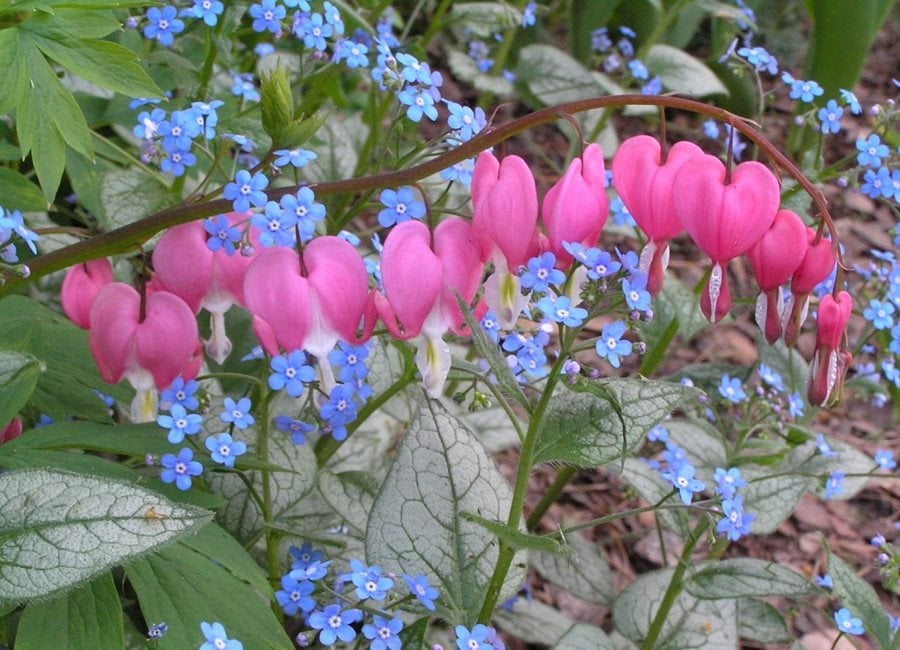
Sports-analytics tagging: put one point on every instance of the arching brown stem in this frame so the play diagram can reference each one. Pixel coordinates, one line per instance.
(130, 237)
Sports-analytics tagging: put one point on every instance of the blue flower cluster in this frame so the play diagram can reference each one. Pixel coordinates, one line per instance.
(170, 138)
(292, 372)
(303, 592)
(735, 523)
(618, 58)
(179, 399)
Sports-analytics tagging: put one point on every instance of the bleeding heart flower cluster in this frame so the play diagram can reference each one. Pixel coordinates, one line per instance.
(307, 294)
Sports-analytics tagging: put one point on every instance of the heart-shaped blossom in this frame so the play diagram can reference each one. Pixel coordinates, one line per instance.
(724, 216)
(310, 302)
(421, 278)
(149, 342)
(645, 181)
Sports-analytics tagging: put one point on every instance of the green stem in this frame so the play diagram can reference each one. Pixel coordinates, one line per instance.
(327, 446)
(262, 444)
(674, 588)
(654, 356)
(563, 476)
(523, 473)
(208, 62)
(132, 236)
(434, 23)
(661, 27)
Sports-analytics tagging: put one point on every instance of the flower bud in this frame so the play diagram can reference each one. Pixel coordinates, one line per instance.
(830, 359)
(276, 102)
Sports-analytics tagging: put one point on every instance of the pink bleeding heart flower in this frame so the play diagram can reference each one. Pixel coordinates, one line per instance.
(504, 222)
(830, 358)
(645, 183)
(817, 264)
(421, 277)
(504, 198)
(724, 217)
(775, 258)
(575, 208)
(149, 342)
(203, 278)
(309, 302)
(11, 431)
(81, 284)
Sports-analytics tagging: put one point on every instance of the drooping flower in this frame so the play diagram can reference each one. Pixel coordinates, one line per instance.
(421, 275)
(644, 179)
(830, 358)
(148, 341)
(724, 216)
(203, 278)
(504, 223)
(775, 258)
(309, 302)
(816, 266)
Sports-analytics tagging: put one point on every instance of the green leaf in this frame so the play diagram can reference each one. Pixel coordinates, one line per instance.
(128, 195)
(485, 18)
(582, 636)
(107, 64)
(516, 539)
(676, 310)
(586, 16)
(691, 623)
(772, 499)
(19, 193)
(12, 81)
(534, 622)
(351, 494)
(66, 461)
(48, 117)
(73, 23)
(846, 458)
(551, 76)
(834, 60)
(682, 73)
(701, 442)
(220, 548)
(242, 516)
(786, 362)
(859, 597)
(413, 636)
(439, 471)
(582, 570)
(58, 529)
(760, 622)
(136, 440)
(598, 422)
(184, 587)
(491, 352)
(342, 140)
(653, 488)
(19, 375)
(744, 578)
(64, 388)
(88, 618)
(466, 69)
